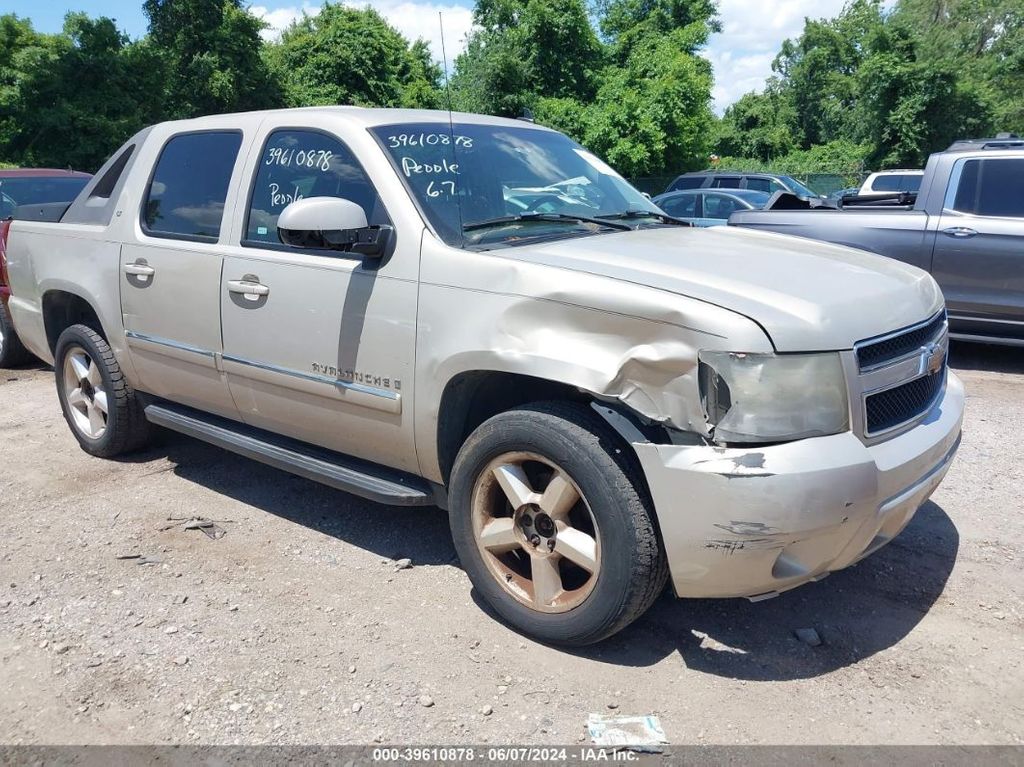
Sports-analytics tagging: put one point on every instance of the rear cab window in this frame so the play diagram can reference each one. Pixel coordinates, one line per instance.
(37, 190)
(300, 163)
(988, 187)
(186, 194)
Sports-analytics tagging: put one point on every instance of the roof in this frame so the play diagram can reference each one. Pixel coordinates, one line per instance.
(731, 172)
(42, 173)
(1001, 141)
(371, 117)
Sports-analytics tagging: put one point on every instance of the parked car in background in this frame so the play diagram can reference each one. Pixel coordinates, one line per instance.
(601, 397)
(710, 208)
(26, 186)
(889, 181)
(965, 227)
(728, 179)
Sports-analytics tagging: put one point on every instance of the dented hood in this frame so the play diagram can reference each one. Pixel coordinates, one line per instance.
(807, 295)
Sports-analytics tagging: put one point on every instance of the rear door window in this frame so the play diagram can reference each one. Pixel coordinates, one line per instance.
(720, 206)
(683, 206)
(726, 182)
(769, 185)
(687, 182)
(185, 198)
(296, 164)
(989, 188)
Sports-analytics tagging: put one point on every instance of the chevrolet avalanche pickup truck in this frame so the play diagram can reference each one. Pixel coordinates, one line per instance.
(480, 314)
(965, 226)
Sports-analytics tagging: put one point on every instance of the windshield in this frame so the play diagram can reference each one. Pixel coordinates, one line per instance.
(36, 190)
(798, 188)
(487, 186)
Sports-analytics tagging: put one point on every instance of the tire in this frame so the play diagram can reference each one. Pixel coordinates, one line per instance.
(87, 374)
(594, 588)
(12, 351)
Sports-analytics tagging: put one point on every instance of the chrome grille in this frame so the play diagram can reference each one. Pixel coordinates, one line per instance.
(874, 353)
(901, 375)
(893, 407)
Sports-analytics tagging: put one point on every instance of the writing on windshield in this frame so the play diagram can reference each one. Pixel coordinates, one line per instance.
(465, 174)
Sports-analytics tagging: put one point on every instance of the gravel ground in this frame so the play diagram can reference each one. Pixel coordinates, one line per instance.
(296, 626)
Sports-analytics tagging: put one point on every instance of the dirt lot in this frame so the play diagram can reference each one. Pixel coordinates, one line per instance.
(296, 627)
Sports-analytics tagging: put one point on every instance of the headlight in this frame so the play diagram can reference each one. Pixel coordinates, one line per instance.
(773, 398)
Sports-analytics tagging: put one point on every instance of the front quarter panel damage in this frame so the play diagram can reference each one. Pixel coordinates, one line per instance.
(617, 341)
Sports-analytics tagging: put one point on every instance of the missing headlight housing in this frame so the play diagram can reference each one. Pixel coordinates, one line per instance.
(765, 398)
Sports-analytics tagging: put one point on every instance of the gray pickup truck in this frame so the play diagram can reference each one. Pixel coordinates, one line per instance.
(422, 308)
(965, 227)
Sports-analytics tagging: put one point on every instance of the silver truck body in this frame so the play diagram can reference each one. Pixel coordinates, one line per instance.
(978, 260)
(376, 359)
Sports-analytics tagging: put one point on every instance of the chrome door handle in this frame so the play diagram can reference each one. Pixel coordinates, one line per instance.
(139, 270)
(962, 232)
(251, 289)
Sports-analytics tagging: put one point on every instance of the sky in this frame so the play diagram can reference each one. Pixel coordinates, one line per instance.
(752, 30)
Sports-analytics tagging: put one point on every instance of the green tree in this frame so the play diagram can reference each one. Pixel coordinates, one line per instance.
(820, 68)
(524, 50)
(760, 125)
(913, 107)
(74, 97)
(640, 97)
(211, 51)
(346, 55)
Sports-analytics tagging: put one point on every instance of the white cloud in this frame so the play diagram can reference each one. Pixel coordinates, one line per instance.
(752, 32)
(413, 19)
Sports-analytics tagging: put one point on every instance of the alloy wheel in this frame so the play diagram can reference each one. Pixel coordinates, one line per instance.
(536, 532)
(84, 393)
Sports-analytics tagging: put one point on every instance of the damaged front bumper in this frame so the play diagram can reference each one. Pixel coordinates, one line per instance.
(756, 522)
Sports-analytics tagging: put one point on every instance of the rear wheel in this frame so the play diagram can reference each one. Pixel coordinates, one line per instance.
(12, 352)
(552, 524)
(99, 404)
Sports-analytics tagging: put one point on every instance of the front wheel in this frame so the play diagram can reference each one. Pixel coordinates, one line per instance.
(552, 524)
(99, 404)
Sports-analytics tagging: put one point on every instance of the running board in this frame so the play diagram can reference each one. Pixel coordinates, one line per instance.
(362, 478)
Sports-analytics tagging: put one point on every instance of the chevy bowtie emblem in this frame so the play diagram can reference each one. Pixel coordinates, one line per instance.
(934, 358)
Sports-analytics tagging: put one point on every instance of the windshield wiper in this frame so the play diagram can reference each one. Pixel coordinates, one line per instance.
(521, 217)
(629, 214)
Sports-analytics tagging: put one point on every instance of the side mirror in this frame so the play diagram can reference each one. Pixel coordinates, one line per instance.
(332, 223)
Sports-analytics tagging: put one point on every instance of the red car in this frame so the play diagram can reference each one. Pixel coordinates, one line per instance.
(26, 186)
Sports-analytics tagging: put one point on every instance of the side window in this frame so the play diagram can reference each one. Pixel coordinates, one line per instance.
(683, 206)
(726, 182)
(889, 183)
(991, 188)
(296, 164)
(719, 206)
(186, 195)
(760, 184)
(687, 182)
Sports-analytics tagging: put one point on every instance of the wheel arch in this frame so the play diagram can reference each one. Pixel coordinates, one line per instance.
(471, 397)
(63, 308)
